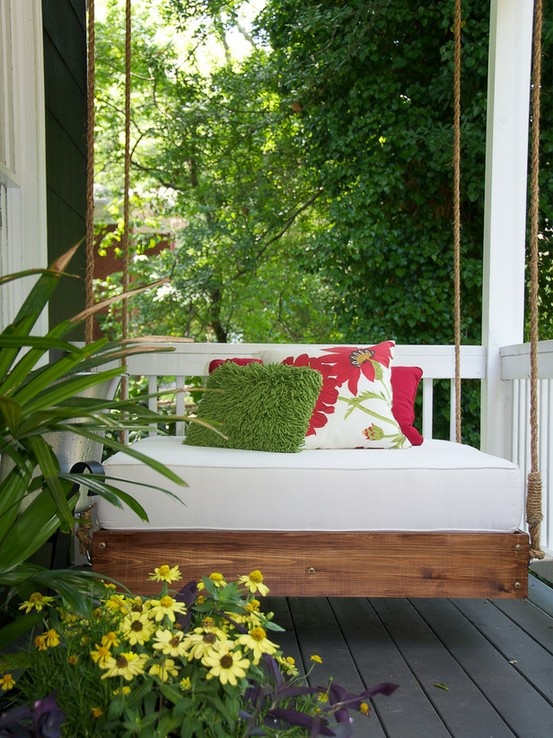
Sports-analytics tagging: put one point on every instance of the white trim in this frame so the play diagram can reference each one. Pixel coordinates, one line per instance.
(23, 238)
(505, 206)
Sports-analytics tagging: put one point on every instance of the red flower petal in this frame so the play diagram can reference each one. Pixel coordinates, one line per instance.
(350, 361)
(328, 395)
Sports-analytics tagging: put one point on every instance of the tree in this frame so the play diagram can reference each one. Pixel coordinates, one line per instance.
(375, 91)
(219, 148)
(323, 158)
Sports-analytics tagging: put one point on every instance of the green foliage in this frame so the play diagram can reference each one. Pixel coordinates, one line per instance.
(227, 159)
(313, 174)
(41, 399)
(375, 90)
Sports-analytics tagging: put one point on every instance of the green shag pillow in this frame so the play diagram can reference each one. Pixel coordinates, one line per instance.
(257, 407)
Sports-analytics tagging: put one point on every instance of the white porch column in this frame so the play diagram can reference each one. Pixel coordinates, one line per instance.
(505, 207)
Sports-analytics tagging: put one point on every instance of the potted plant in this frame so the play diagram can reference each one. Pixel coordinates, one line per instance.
(42, 398)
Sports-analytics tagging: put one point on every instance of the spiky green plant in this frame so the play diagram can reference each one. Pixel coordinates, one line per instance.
(40, 397)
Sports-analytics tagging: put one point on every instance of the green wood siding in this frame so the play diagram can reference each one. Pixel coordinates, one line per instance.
(65, 98)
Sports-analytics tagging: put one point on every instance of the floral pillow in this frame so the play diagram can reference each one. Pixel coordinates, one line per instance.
(354, 407)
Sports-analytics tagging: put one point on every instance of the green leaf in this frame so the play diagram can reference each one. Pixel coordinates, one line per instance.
(44, 287)
(10, 413)
(11, 633)
(14, 489)
(49, 469)
(171, 693)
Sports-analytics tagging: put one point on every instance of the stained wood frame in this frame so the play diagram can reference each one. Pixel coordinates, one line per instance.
(329, 564)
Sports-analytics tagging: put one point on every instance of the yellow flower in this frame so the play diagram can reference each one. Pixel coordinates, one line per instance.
(316, 658)
(36, 602)
(203, 640)
(226, 665)
(166, 607)
(73, 659)
(68, 617)
(122, 690)
(164, 669)
(257, 642)
(136, 604)
(110, 639)
(166, 573)
(288, 664)
(217, 578)
(249, 619)
(52, 639)
(40, 642)
(185, 684)
(47, 640)
(137, 628)
(364, 708)
(96, 712)
(117, 603)
(101, 655)
(253, 605)
(169, 643)
(7, 682)
(254, 582)
(126, 665)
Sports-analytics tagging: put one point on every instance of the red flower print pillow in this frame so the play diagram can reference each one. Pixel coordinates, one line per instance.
(354, 408)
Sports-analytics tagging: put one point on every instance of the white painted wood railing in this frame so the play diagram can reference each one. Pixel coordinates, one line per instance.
(515, 367)
(187, 360)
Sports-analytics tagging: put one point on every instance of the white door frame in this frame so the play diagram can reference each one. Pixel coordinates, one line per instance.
(23, 236)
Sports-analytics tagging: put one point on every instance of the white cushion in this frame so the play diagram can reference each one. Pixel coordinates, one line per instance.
(439, 486)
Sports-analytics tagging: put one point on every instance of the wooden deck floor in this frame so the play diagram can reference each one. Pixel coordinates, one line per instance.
(466, 668)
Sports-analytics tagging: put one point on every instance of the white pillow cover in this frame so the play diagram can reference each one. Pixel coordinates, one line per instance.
(354, 408)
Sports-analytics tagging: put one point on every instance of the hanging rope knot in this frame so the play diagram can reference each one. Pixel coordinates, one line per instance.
(534, 514)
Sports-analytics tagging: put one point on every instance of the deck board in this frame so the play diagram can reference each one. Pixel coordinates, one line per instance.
(518, 703)
(466, 668)
(377, 656)
(449, 689)
(327, 641)
(527, 656)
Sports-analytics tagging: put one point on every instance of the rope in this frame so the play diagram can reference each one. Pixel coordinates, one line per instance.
(90, 123)
(457, 211)
(126, 198)
(534, 514)
(127, 168)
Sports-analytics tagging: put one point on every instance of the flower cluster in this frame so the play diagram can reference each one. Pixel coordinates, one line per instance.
(195, 663)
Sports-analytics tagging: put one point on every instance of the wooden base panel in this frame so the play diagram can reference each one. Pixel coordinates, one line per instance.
(326, 564)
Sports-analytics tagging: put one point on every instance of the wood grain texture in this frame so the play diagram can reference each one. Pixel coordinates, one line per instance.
(331, 564)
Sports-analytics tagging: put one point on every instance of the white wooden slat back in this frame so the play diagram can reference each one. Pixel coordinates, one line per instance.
(185, 360)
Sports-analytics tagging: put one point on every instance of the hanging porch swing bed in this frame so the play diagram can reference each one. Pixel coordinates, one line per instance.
(366, 507)
(358, 504)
